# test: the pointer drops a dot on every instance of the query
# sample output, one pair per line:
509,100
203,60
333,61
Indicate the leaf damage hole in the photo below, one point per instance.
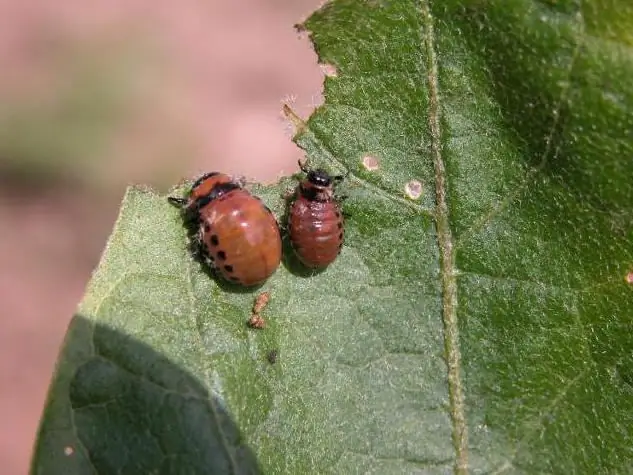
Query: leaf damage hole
370,163
629,278
329,70
68,451
413,189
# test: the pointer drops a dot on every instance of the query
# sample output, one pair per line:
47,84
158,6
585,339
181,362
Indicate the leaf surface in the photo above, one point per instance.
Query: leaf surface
483,327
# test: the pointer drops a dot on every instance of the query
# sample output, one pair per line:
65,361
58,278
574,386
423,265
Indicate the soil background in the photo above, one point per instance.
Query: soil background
98,95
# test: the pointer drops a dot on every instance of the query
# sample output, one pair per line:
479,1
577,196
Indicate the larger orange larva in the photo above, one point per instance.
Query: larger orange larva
315,223
238,235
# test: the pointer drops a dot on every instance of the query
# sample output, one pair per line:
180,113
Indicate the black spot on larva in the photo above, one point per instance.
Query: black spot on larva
340,225
211,258
228,268
338,215
234,278
340,236
207,228
222,255
215,240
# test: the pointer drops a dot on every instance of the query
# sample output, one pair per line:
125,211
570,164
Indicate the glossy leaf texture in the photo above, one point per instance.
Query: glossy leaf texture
480,327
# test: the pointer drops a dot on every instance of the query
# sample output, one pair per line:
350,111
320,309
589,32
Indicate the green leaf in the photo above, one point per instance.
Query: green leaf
483,327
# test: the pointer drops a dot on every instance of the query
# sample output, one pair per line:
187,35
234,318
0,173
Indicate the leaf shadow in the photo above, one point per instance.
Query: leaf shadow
293,264
116,405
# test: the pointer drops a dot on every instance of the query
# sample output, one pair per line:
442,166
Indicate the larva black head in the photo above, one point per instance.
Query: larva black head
319,178
203,178
319,184
205,189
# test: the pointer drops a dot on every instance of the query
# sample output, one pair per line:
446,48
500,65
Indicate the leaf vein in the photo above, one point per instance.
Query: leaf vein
530,282
546,156
421,463
447,257
540,421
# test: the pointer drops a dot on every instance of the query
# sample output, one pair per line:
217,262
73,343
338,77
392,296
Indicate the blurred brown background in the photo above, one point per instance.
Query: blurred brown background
96,95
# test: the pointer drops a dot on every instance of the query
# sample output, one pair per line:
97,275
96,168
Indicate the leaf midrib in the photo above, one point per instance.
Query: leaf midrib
447,256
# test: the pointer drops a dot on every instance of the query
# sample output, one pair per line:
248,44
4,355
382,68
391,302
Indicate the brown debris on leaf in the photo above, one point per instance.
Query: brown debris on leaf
260,302
256,320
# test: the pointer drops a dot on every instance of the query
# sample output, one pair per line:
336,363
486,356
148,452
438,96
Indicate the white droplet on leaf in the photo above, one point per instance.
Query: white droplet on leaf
370,163
413,189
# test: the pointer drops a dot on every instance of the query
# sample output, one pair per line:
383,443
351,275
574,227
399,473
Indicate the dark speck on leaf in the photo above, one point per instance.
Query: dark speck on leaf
272,356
